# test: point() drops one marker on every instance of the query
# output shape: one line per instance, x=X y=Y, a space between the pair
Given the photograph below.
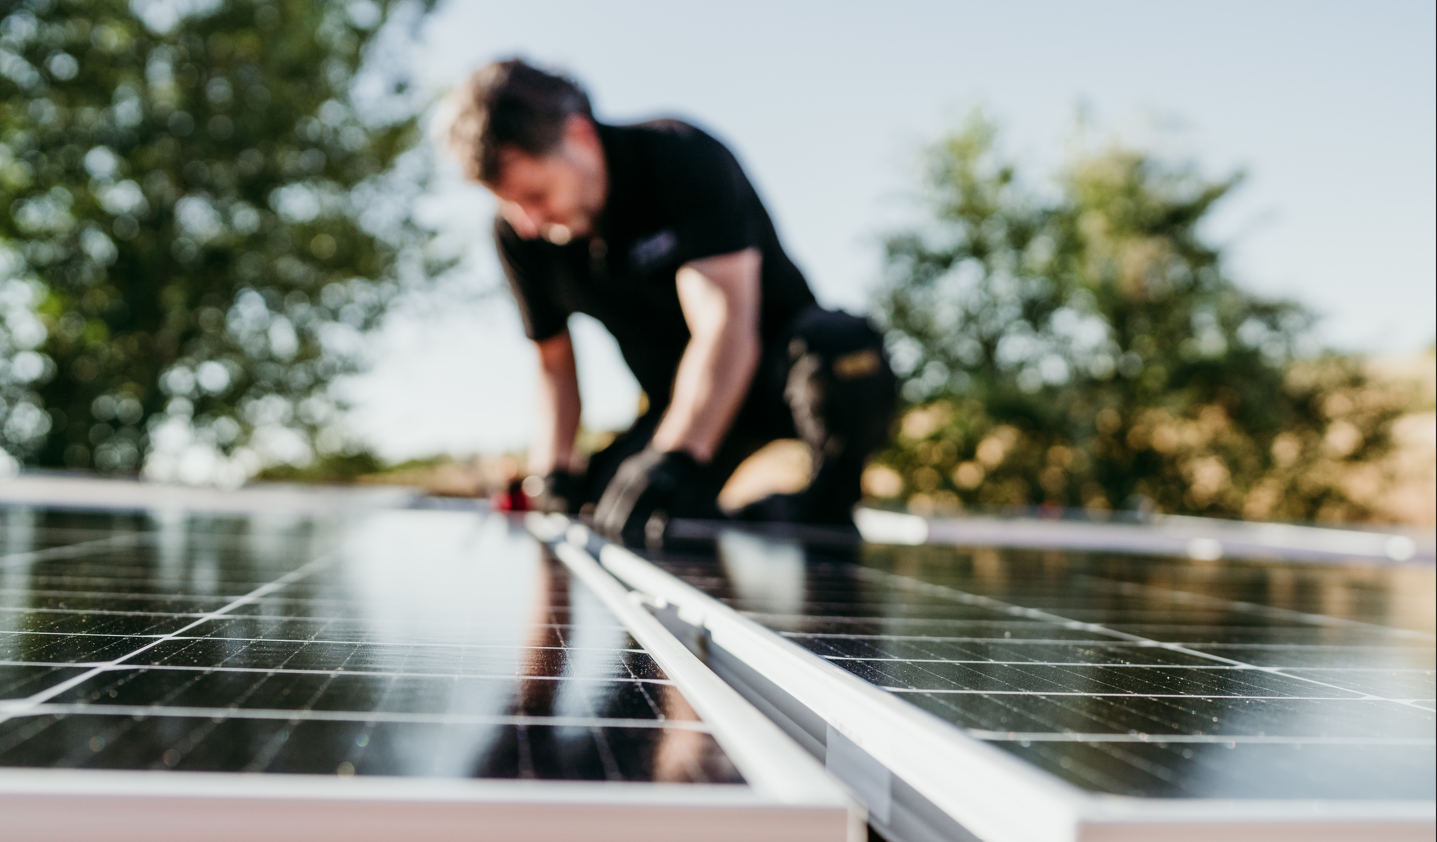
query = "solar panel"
x=445 y=665
x=1016 y=694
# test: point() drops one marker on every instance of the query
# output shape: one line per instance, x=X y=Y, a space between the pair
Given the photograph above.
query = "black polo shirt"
x=675 y=195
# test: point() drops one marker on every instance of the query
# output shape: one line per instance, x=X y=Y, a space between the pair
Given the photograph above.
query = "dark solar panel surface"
x=402 y=643
x=1155 y=677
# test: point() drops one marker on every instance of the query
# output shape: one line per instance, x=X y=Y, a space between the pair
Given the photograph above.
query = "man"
x=655 y=231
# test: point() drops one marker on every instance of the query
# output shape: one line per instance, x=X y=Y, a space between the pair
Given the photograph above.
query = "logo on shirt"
x=651 y=251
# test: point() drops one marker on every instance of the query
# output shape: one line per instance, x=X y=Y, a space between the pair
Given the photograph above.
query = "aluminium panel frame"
x=923 y=779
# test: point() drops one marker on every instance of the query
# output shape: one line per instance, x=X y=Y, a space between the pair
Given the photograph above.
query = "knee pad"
x=840 y=385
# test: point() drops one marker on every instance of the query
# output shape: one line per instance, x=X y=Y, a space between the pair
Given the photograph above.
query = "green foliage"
x=192 y=232
x=1083 y=347
x=330 y=468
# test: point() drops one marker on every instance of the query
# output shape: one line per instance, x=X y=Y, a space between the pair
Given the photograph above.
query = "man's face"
x=557 y=195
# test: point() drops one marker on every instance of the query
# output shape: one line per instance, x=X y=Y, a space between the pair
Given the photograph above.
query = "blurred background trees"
x=1081 y=345
x=206 y=204
x=203 y=206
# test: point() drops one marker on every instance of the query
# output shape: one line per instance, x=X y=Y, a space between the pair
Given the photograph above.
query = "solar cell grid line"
x=456 y=677
x=1267 y=610
x=1314 y=677
x=23 y=706
x=1211 y=738
x=68 y=550
x=1176 y=647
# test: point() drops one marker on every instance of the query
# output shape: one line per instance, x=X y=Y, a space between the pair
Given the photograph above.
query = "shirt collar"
x=619 y=162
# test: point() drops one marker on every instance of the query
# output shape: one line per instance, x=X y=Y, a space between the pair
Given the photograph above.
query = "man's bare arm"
x=720 y=300
x=559 y=406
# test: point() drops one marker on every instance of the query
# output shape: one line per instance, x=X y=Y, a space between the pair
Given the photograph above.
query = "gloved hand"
x=556 y=491
x=647 y=482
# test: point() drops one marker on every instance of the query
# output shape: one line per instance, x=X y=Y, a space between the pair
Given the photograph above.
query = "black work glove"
x=556 y=491
x=649 y=482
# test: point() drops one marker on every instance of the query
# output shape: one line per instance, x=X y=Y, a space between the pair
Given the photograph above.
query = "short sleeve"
x=716 y=208
x=530 y=273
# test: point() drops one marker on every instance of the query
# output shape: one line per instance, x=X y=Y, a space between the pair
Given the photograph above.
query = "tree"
x=1083 y=346
x=194 y=222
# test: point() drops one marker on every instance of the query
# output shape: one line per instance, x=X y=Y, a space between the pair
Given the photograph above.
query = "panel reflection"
x=400 y=643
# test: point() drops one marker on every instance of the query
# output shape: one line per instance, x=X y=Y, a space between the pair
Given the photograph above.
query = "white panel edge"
x=771 y=763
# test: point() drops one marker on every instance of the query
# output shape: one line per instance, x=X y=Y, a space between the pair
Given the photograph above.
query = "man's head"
x=529 y=136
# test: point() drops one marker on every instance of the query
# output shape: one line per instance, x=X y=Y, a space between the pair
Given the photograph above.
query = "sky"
x=1329 y=108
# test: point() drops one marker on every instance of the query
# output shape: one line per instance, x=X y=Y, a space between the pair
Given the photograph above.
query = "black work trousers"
x=825 y=381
